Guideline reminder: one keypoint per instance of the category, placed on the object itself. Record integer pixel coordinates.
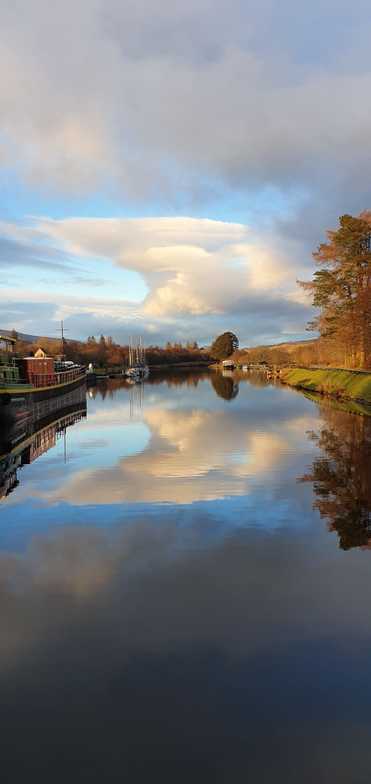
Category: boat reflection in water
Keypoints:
(27, 430)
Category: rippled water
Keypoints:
(185, 582)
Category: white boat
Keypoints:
(138, 369)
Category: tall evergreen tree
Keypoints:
(224, 345)
(341, 288)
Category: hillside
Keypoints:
(298, 351)
(290, 346)
(22, 336)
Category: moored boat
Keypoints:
(37, 376)
(138, 369)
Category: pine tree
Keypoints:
(341, 289)
(224, 345)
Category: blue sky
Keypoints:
(169, 169)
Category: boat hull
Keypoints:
(40, 393)
(138, 373)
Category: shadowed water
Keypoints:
(184, 587)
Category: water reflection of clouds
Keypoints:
(192, 455)
(157, 637)
(76, 565)
(191, 631)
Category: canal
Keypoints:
(185, 583)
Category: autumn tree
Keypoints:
(102, 351)
(224, 345)
(341, 289)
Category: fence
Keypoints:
(55, 379)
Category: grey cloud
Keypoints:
(268, 325)
(14, 253)
(180, 103)
(265, 322)
(248, 92)
(26, 316)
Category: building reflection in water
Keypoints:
(29, 429)
(341, 474)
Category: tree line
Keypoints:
(105, 352)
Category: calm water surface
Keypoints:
(185, 589)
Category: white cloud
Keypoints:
(191, 266)
(199, 274)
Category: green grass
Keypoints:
(345, 384)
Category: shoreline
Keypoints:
(171, 365)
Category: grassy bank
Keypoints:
(344, 384)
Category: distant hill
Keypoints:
(290, 346)
(21, 335)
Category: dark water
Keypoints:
(185, 588)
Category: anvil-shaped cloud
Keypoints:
(163, 97)
(193, 266)
(190, 267)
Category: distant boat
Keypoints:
(138, 369)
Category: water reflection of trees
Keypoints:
(225, 387)
(341, 475)
(178, 377)
(108, 387)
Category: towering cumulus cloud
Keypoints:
(191, 267)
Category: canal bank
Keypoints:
(353, 385)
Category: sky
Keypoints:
(167, 168)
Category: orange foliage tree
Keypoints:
(341, 289)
